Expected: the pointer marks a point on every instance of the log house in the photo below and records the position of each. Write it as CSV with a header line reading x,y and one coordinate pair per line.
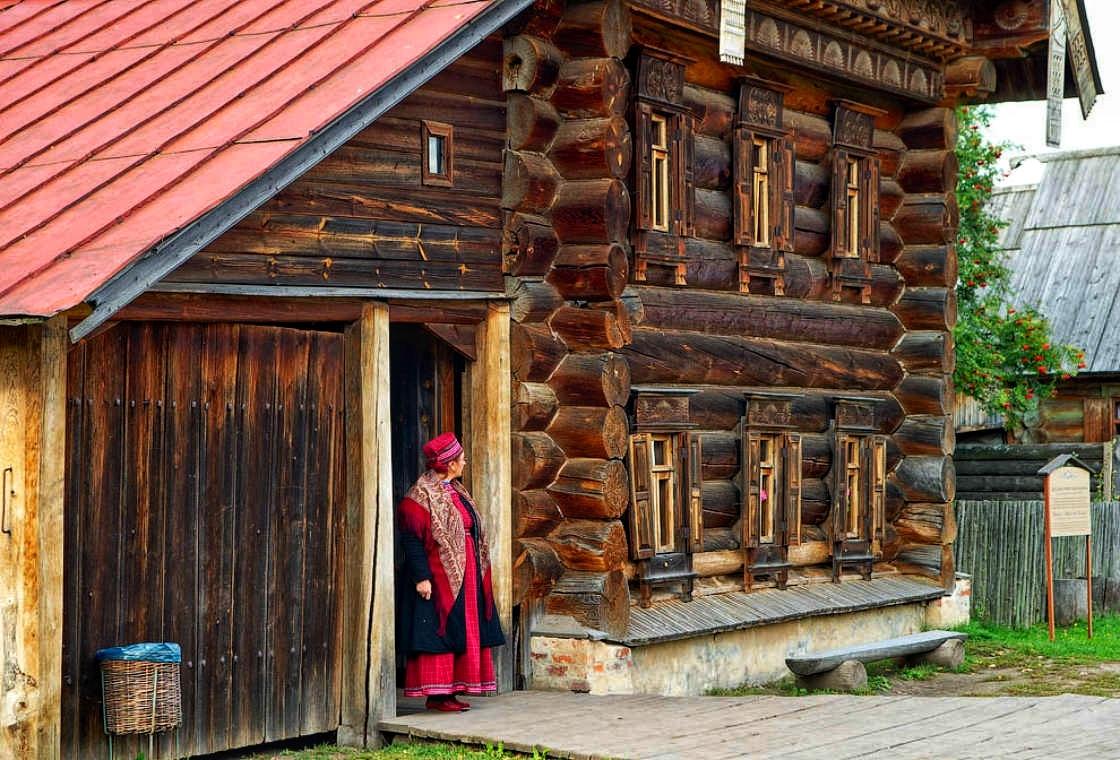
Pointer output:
x,y
690,318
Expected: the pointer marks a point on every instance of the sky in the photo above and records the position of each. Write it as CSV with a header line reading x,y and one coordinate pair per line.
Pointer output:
x,y
1025,123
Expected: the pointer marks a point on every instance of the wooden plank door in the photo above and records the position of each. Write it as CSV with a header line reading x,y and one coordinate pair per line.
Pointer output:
x,y
205,494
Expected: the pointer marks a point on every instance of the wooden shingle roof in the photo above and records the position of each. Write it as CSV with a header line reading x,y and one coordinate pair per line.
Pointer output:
x,y
1063,244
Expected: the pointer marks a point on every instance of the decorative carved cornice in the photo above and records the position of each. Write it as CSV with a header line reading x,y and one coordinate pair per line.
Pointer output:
x,y
856,57
940,30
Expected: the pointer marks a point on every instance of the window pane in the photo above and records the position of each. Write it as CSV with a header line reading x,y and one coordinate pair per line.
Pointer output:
x,y
660,449
665,494
435,154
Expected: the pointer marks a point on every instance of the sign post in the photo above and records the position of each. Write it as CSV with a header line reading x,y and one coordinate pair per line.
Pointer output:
x,y
1065,489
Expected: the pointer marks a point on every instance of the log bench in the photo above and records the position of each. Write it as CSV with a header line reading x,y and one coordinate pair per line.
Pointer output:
x,y
843,669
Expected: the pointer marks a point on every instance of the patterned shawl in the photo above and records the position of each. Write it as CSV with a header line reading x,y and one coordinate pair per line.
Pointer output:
x,y
447,527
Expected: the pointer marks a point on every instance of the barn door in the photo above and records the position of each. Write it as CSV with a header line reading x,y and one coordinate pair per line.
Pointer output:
x,y
205,500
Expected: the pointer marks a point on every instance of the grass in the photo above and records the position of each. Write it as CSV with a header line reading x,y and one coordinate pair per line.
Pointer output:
x,y
409,751
1026,660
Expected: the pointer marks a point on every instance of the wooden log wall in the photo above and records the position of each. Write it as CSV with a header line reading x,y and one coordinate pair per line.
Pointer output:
x,y
362,217
584,331
567,216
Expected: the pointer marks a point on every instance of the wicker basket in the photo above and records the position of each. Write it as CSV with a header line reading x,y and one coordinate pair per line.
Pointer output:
x,y
141,697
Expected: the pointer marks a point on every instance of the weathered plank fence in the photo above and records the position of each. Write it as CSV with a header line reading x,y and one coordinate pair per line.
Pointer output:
x,y
1000,544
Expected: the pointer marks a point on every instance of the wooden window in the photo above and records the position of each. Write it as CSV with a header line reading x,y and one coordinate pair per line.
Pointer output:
x,y
760,191
659,195
859,500
855,202
771,511
1116,417
663,181
436,145
666,487
763,198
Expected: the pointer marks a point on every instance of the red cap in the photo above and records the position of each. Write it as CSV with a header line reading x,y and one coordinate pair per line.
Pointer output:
x,y
442,450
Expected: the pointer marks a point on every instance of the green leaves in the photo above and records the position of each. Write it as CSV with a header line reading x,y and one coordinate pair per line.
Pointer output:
x,y
1006,359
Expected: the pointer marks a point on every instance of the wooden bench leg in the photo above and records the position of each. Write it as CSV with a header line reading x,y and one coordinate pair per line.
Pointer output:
x,y
847,676
949,655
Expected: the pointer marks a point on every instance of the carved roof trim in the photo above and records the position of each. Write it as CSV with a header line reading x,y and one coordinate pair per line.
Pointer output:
x,y
939,30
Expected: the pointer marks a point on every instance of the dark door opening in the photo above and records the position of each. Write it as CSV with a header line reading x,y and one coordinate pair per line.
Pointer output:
x,y
425,399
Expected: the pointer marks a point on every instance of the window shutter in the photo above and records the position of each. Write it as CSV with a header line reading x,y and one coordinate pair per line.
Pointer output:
x,y
694,492
791,470
641,512
783,228
840,203
643,135
687,199
752,506
1097,420
878,480
870,211
743,208
840,495
866,467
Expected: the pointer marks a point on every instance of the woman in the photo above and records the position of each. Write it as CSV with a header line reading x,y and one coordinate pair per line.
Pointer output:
x,y
452,622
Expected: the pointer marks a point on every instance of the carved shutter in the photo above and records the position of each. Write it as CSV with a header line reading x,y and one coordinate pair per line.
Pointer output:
x,y
641,511
643,139
743,208
791,470
686,197
694,492
866,469
751,510
878,478
786,201
839,202
1098,420
840,496
869,194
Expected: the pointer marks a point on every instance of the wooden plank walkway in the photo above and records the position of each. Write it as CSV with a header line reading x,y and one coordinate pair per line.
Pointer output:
x,y
791,728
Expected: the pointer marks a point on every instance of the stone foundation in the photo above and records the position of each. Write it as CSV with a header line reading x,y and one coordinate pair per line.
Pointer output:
x,y
725,660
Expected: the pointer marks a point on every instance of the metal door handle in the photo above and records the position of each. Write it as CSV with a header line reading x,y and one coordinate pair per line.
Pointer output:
x,y
5,493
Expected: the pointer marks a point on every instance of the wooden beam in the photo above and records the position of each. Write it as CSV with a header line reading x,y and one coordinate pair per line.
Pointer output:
x,y
32,458
368,641
491,465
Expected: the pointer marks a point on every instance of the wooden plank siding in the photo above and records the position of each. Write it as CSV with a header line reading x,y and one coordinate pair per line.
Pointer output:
x,y
363,218
204,496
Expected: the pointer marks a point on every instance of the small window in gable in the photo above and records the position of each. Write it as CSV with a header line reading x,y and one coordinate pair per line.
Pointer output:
x,y
859,485
763,194
666,487
855,202
436,154
662,168
771,488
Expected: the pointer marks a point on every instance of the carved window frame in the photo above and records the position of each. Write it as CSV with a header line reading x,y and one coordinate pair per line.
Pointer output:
x,y
772,524
859,455
760,121
446,134
855,232
659,95
662,415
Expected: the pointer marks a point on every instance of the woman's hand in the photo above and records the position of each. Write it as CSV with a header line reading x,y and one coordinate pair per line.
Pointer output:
x,y
424,589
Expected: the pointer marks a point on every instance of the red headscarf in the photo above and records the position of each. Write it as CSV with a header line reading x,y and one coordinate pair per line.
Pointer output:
x,y
442,451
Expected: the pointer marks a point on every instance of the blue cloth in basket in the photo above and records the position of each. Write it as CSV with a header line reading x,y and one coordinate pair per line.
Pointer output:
x,y
148,652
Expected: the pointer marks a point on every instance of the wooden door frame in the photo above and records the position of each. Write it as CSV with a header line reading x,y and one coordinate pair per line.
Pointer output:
x,y
368,635
32,458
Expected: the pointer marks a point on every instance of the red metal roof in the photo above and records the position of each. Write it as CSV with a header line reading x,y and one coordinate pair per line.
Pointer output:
x,y
121,121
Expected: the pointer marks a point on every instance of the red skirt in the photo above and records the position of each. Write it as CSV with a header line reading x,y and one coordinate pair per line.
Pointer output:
x,y
470,672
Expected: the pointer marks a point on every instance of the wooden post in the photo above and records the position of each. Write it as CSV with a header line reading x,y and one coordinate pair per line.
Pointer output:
x,y
368,645
1089,580
491,465
1049,555
32,461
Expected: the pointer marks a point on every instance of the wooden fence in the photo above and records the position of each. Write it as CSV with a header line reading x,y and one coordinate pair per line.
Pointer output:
x,y
999,543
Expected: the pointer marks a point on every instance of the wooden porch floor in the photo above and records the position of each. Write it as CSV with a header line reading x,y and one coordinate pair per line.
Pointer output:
x,y
833,727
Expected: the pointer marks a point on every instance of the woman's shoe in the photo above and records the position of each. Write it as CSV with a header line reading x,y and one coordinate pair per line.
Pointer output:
x,y
443,704
462,705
